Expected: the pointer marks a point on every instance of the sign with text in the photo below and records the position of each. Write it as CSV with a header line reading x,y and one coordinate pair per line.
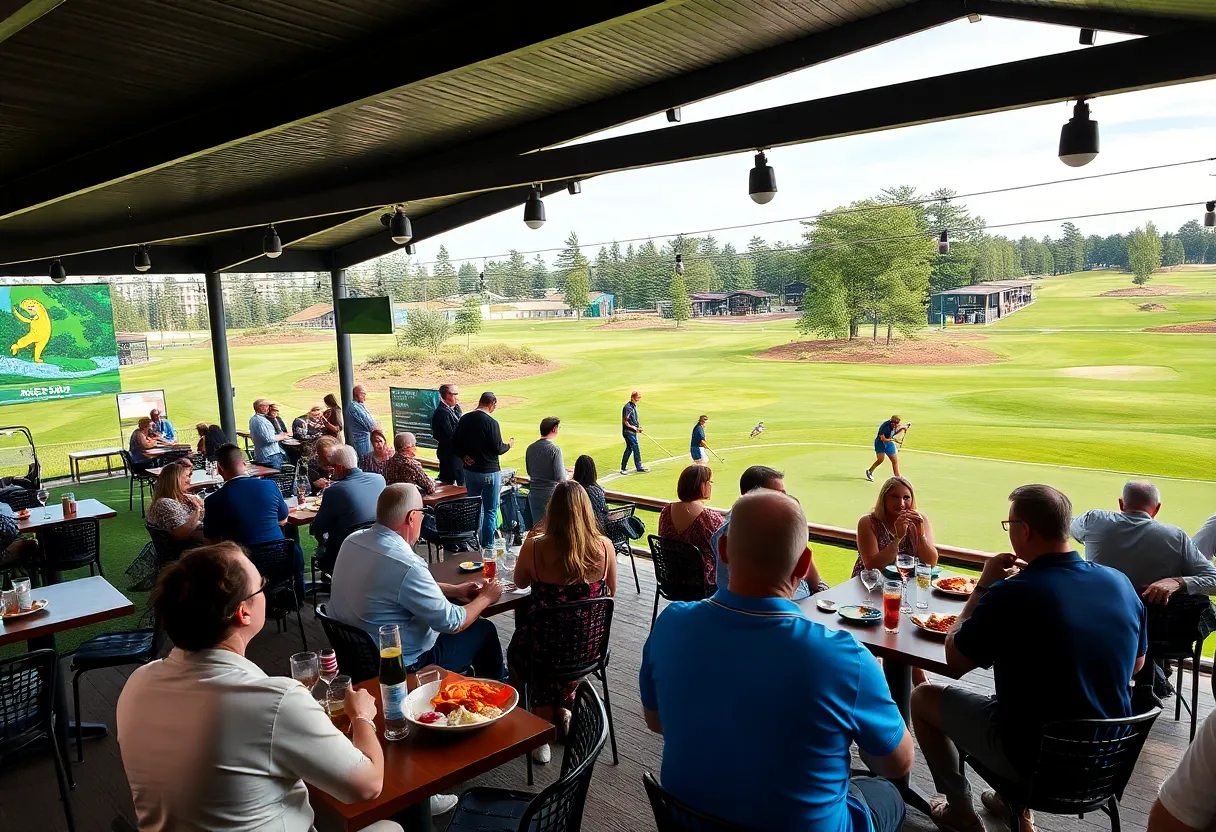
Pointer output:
x,y
412,409
134,406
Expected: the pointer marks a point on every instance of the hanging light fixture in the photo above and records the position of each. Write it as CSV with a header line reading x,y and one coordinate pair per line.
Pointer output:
x,y
534,209
272,246
1209,216
143,261
58,272
674,115
1079,137
398,225
679,264
574,187
410,250
762,182
943,243
481,282
1088,37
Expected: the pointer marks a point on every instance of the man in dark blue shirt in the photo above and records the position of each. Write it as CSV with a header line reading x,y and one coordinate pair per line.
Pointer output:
x,y
1064,638
697,447
630,428
246,509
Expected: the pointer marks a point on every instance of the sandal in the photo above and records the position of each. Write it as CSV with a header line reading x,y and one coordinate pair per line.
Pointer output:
x,y
946,817
995,804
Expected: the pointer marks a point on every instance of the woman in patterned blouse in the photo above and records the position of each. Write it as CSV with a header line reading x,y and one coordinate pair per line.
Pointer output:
x,y
374,460
690,520
174,509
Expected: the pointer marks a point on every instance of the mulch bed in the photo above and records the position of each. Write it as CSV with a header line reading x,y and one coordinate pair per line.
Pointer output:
x,y
1152,307
749,319
1144,291
647,322
928,351
377,379
1203,327
268,340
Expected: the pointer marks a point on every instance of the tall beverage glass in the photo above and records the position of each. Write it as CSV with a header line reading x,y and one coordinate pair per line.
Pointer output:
x,y
335,703
906,564
392,683
924,572
890,605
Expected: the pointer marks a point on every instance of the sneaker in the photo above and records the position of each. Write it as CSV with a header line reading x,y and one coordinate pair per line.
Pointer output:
x,y
441,804
542,755
869,475
995,804
643,470
624,472
949,819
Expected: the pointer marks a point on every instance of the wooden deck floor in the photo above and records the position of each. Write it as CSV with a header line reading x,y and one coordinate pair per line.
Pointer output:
x,y
617,802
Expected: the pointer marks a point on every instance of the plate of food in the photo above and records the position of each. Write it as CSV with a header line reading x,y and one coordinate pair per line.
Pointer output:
x,y
956,585
39,605
471,566
936,623
24,514
459,703
889,571
860,612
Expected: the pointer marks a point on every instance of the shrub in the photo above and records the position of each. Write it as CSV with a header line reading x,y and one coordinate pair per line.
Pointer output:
x,y
426,329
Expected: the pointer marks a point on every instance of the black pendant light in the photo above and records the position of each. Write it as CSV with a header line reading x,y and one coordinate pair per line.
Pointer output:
x,y
762,182
534,209
398,225
272,246
679,264
143,261
1079,137
674,115
1209,216
943,243
58,272
409,249
574,187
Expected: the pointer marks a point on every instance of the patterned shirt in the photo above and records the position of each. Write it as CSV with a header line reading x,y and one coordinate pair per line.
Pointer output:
x,y
168,514
402,468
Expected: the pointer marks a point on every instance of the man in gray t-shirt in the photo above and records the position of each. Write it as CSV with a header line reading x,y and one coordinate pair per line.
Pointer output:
x,y
546,468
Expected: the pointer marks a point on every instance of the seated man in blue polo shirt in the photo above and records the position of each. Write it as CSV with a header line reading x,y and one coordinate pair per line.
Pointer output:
x,y
246,509
772,753
1064,638
350,500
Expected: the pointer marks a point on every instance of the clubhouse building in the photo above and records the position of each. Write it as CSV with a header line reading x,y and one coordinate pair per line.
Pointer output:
x,y
982,303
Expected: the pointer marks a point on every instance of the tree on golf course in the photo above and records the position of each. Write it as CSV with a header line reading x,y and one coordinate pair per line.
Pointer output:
x,y
468,318
445,280
677,293
570,260
578,291
1172,252
1144,253
426,328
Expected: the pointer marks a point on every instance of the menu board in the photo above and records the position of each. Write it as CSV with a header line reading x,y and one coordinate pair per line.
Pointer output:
x,y
412,409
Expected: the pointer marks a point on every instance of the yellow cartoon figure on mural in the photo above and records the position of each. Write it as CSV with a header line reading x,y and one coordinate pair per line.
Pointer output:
x,y
40,328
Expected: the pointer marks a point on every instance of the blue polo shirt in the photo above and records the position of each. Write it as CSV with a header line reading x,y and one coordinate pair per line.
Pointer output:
x,y
629,413
245,510
698,436
886,429
1062,637
756,699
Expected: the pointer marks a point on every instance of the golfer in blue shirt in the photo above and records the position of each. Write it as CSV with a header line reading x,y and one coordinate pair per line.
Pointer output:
x,y
884,445
631,428
697,446
773,753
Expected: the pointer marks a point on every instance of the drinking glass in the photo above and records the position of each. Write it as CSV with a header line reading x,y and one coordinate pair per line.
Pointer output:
x,y
890,605
301,495
335,703
870,579
906,564
329,665
306,669
425,677
924,572
43,495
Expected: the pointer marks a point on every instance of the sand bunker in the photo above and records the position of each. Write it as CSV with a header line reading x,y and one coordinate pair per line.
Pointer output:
x,y
1121,372
928,351
1202,327
1144,291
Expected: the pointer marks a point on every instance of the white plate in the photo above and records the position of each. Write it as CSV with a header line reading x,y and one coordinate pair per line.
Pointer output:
x,y
39,605
419,702
920,618
937,585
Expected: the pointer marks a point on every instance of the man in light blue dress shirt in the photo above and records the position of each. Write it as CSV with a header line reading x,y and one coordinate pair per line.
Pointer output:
x,y
162,427
378,579
359,422
266,448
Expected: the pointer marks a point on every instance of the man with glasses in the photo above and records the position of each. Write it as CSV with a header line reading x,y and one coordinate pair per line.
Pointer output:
x,y
208,740
443,427
1064,638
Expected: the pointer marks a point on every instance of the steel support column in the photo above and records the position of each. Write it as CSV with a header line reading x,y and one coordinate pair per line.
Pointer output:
x,y
224,391
346,365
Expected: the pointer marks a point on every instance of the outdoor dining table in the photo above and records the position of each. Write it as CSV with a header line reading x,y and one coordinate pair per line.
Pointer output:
x,y
72,604
168,449
85,510
429,762
900,652
201,479
444,491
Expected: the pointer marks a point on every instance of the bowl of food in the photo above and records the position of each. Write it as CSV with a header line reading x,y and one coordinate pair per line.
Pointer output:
x,y
935,623
860,613
956,585
459,704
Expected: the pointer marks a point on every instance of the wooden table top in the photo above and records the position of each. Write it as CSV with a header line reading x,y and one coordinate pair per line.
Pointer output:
x,y
85,510
200,479
72,604
448,572
96,453
426,762
910,645
444,491
303,517
168,449
290,441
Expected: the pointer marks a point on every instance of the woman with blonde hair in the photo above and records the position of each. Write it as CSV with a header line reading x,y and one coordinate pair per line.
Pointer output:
x,y
564,559
174,509
894,527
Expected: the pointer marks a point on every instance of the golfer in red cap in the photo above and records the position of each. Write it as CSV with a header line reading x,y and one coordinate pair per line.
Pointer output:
x,y
630,428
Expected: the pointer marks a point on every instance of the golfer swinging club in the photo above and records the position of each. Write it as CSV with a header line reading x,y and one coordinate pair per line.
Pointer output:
x,y
630,428
697,447
884,445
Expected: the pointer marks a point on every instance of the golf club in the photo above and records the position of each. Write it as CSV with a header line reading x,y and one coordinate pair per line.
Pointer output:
x,y
904,436
715,453
655,441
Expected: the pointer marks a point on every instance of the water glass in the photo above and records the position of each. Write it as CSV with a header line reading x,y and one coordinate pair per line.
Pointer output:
x,y
8,602
306,669
335,703
890,605
43,495
25,600
870,579
924,574
425,677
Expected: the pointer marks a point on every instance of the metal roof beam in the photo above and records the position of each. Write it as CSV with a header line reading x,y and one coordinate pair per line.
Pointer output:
x,y
239,248
117,261
15,15
485,33
1079,17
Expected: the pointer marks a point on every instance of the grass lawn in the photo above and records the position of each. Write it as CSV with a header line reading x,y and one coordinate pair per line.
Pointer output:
x,y
1082,399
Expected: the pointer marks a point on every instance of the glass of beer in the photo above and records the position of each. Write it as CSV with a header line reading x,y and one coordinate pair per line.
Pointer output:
x,y
393,688
923,574
335,703
891,594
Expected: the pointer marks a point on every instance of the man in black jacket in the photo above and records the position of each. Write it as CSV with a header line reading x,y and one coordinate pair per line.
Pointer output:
x,y
478,440
443,426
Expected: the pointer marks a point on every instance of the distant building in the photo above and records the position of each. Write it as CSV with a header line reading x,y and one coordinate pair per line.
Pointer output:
x,y
401,311
132,349
981,303
553,305
715,304
317,316
794,293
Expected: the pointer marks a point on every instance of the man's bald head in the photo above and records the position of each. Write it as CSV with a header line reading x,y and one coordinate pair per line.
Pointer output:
x,y
767,536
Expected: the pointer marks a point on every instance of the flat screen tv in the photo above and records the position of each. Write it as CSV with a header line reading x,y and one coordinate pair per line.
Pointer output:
x,y
366,316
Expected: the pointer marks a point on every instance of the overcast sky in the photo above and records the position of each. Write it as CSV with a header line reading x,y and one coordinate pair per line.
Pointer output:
x,y
1137,129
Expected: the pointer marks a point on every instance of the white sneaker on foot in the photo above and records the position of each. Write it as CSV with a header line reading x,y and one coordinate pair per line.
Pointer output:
x,y
869,475
624,472
542,755
441,804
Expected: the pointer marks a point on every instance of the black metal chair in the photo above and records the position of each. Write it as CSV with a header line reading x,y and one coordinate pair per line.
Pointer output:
x,y
1083,766
357,652
571,641
1177,631
286,480
679,572
276,561
199,461
456,524
19,560
27,691
168,548
71,545
617,518
670,815
23,499
111,650
559,808
137,473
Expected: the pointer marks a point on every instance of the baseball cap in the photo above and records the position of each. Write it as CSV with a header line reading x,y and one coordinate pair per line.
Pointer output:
x,y
635,394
